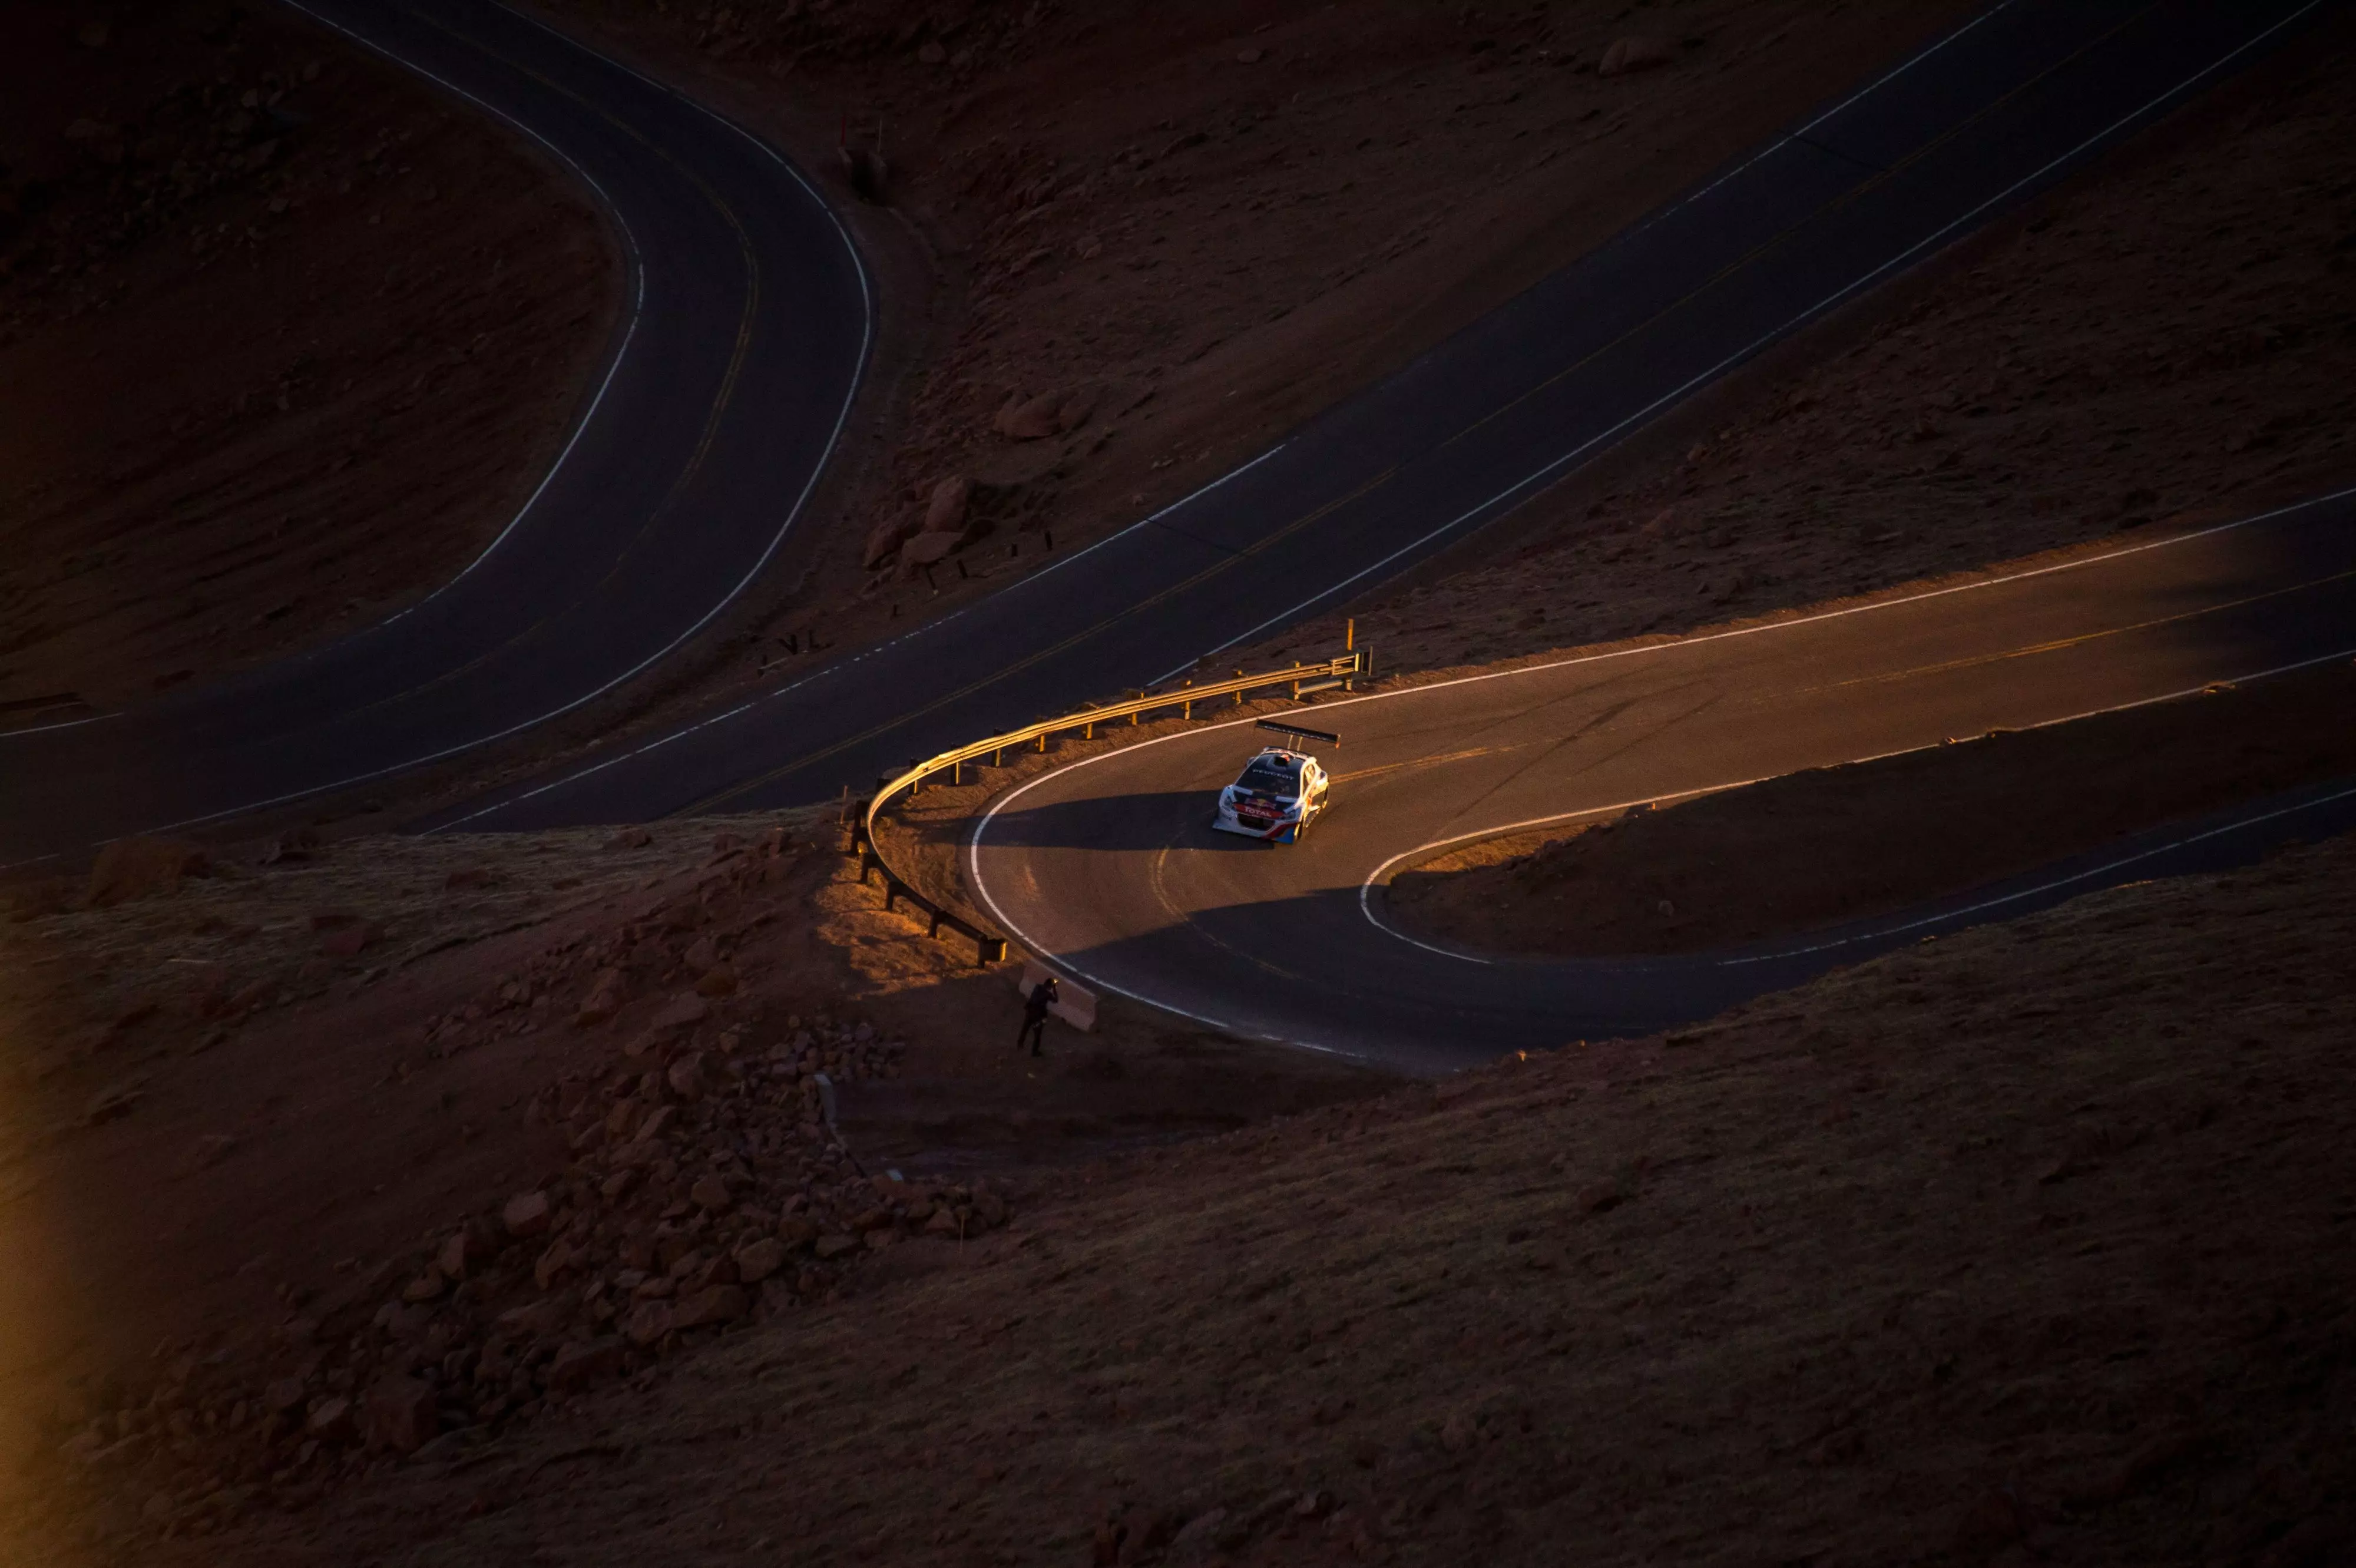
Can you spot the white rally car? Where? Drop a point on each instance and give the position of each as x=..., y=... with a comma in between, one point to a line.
x=1279, y=795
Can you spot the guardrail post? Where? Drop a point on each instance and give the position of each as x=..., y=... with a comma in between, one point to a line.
x=988, y=950
x=1088, y=732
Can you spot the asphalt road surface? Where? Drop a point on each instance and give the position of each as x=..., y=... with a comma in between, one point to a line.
x=746, y=318
x=1110, y=865
x=1870, y=185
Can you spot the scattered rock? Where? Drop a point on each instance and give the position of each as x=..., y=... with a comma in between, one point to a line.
x=550, y=1264
x=719, y=980
x=1030, y=420
x=886, y=537
x=650, y=1321
x=682, y=1012
x=399, y=1415
x=716, y=1303
x=330, y=1421
x=926, y=549
x=578, y=1364
x=757, y=1260
x=469, y=1245
x=284, y=1397
x=687, y=1078
x=138, y=867
x=711, y=1195
x=1635, y=53
x=526, y=1215
x=946, y=511
x=1199, y=1535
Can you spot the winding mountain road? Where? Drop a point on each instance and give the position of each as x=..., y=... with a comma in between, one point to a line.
x=745, y=323
x=746, y=331
x=1870, y=185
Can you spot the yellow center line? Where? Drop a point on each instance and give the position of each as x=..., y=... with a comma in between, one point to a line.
x=2060, y=643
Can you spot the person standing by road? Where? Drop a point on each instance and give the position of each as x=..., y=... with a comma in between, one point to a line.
x=1035, y=1016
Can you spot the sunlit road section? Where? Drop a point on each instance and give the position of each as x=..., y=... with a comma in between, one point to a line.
x=1111, y=867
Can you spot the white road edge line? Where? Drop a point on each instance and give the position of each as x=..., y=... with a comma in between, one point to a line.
x=1375, y=877
x=1015, y=929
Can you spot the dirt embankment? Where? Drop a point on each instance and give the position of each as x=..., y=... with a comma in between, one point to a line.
x=328, y=1065
x=285, y=338
x=1835, y=844
x=2028, y=1245
x=1159, y=237
x=2163, y=342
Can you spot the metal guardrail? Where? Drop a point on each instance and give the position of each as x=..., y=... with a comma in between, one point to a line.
x=989, y=947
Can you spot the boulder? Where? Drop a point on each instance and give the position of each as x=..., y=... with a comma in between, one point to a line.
x=651, y=1130
x=578, y=1364
x=1635, y=53
x=711, y=1195
x=399, y=1415
x=137, y=867
x=757, y=1260
x=330, y=1421
x=1074, y=409
x=526, y=1215
x=886, y=537
x=716, y=1303
x=470, y=1245
x=682, y=1012
x=283, y=1396
x=720, y=979
x=539, y=1319
x=926, y=549
x=1032, y=419
x=687, y=1078
x=551, y=1265
x=946, y=511
x=649, y=1322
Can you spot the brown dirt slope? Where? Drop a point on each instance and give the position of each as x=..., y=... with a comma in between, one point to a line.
x=255, y=1091
x=2028, y=1245
x=1835, y=843
x=286, y=338
x=2163, y=341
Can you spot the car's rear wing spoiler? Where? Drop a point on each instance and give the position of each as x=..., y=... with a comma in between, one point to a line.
x=1282, y=727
